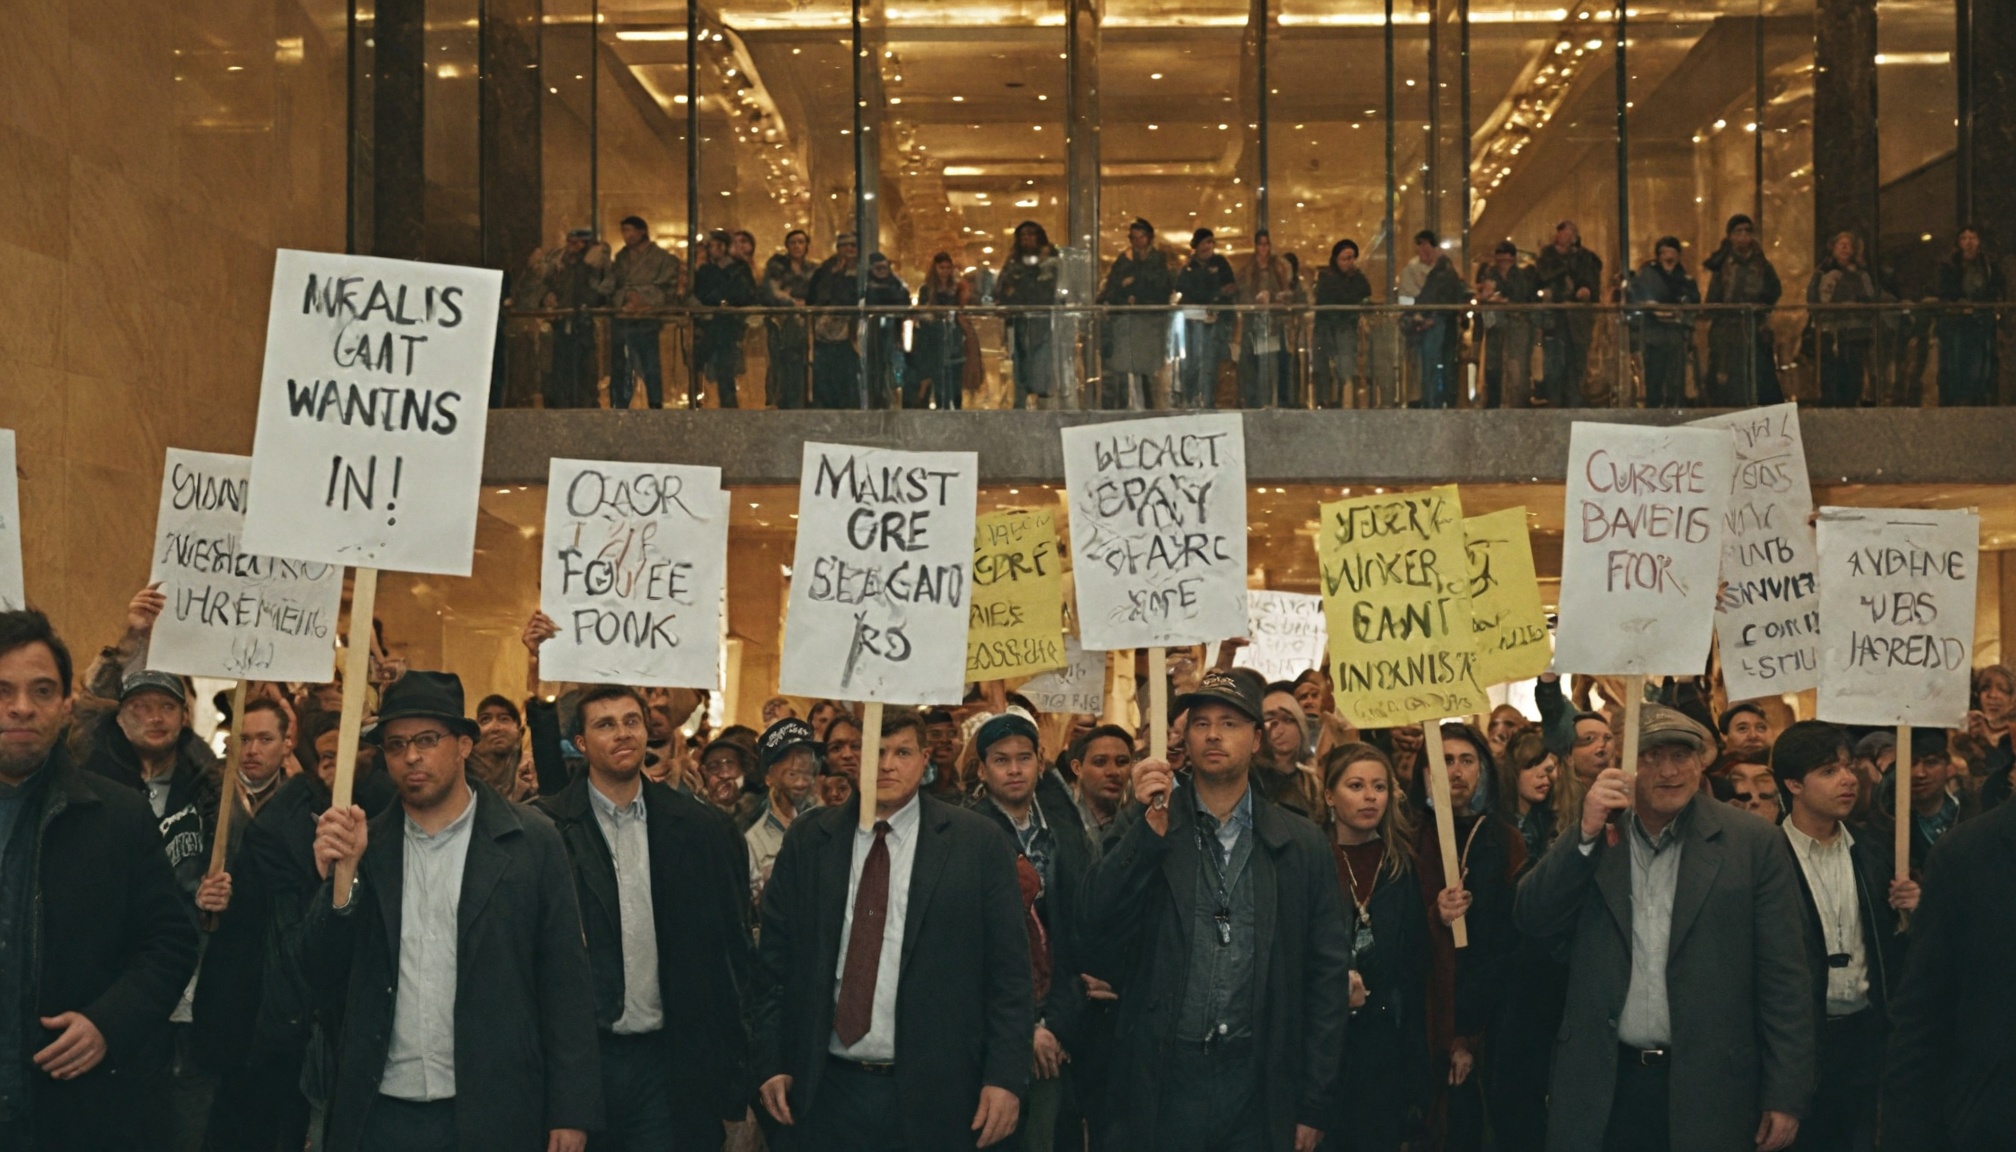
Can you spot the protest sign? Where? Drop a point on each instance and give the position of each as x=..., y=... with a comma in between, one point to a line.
x=369, y=449
x=231, y=613
x=635, y=556
x=1508, y=621
x=1018, y=599
x=1158, y=530
x=1079, y=686
x=1896, y=615
x=1769, y=625
x=1285, y=633
x=1396, y=597
x=1641, y=549
x=882, y=575
x=13, y=593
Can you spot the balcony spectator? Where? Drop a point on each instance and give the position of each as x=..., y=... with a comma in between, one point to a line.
x=1140, y=340
x=1969, y=371
x=572, y=280
x=836, y=367
x=1844, y=336
x=1267, y=281
x=1663, y=333
x=1206, y=279
x=1029, y=277
x=886, y=369
x=721, y=282
x=1742, y=367
x=1569, y=274
x=787, y=280
x=1339, y=285
x=1508, y=341
x=941, y=348
x=1432, y=280
x=641, y=278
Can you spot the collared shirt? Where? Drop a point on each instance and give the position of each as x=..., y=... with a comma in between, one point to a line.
x=1941, y=822
x=420, y=1057
x=766, y=838
x=1830, y=874
x=630, y=849
x=1095, y=828
x=879, y=1045
x=1224, y=935
x=1033, y=837
x=1647, y=1021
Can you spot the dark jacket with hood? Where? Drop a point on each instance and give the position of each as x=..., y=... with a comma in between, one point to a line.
x=189, y=819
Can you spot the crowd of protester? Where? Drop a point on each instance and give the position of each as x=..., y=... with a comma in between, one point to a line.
x=591, y=920
x=1258, y=332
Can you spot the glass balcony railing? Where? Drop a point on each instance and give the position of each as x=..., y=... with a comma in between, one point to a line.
x=1256, y=356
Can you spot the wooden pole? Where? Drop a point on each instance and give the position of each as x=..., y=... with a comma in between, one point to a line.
x=356, y=672
x=1158, y=712
x=1445, y=818
x=227, y=803
x=1627, y=754
x=871, y=756
x=1902, y=767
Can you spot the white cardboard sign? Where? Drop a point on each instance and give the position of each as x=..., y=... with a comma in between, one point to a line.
x=1158, y=530
x=1642, y=544
x=1287, y=634
x=1769, y=625
x=632, y=569
x=1897, y=615
x=369, y=450
x=1079, y=686
x=13, y=593
x=231, y=613
x=881, y=580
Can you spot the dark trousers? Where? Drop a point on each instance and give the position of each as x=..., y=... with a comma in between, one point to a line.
x=636, y=1095
x=1665, y=371
x=636, y=358
x=396, y=1125
x=1841, y=362
x=1197, y=375
x=1565, y=355
x=1211, y=1099
x=836, y=375
x=571, y=384
x=857, y=1110
x=1842, y=1117
x=1641, y=1116
x=1967, y=364
x=259, y=1106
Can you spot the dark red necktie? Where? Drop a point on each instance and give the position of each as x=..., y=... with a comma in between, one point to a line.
x=856, y=1009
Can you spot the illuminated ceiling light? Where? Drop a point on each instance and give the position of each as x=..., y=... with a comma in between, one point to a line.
x=653, y=35
x=1593, y=45
x=1154, y=75
x=958, y=99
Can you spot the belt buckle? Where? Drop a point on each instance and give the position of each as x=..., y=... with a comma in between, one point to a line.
x=1652, y=1057
x=878, y=1067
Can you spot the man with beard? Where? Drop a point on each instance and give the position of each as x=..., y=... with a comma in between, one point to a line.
x=452, y=880
x=1101, y=764
x=500, y=747
x=660, y=879
x=789, y=759
x=1742, y=361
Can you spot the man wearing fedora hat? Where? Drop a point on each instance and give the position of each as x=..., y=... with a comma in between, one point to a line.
x=1695, y=907
x=452, y=881
x=663, y=883
x=1219, y=916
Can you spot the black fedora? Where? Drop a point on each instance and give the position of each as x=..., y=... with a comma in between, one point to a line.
x=429, y=695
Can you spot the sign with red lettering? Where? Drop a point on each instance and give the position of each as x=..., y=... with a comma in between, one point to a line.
x=1641, y=548
x=1897, y=590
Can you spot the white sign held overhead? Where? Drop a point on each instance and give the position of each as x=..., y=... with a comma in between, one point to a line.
x=1897, y=592
x=1079, y=686
x=632, y=568
x=1286, y=633
x=369, y=450
x=1158, y=529
x=13, y=591
x=1769, y=626
x=881, y=580
x=231, y=613
x=1642, y=544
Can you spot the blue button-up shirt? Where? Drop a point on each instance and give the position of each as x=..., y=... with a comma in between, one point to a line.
x=630, y=849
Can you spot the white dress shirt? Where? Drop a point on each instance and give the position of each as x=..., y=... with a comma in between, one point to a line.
x=420, y=1057
x=879, y=1045
x=1830, y=874
x=1647, y=1018
x=630, y=850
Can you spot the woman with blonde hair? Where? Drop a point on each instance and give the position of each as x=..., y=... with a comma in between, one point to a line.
x=1385, y=1082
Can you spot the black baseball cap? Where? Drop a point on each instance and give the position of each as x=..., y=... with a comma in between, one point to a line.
x=166, y=683
x=1222, y=687
x=780, y=738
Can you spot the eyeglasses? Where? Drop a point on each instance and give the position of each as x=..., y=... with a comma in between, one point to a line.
x=395, y=746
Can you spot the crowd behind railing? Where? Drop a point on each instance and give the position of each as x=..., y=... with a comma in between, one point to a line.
x=587, y=327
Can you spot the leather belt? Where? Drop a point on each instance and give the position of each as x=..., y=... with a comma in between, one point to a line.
x=1644, y=1057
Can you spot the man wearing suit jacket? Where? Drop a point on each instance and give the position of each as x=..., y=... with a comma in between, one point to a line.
x=1690, y=1014
x=894, y=1007
x=1949, y=1084
x=1219, y=921
x=663, y=885
x=455, y=955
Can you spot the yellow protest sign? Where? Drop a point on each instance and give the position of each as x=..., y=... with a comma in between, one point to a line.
x=1396, y=598
x=1017, y=622
x=1505, y=610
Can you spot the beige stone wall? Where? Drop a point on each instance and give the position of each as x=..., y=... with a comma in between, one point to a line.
x=152, y=157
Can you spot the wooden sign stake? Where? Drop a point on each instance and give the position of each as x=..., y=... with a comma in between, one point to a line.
x=1902, y=767
x=227, y=803
x=871, y=756
x=1445, y=822
x=1158, y=711
x=356, y=671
